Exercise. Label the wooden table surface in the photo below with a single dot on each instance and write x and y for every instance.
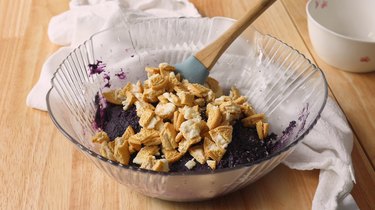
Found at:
(40, 169)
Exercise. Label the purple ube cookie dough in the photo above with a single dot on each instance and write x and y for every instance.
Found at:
(244, 148)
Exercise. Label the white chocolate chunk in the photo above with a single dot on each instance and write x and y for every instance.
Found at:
(190, 164)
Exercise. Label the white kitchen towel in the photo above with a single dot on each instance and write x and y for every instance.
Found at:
(87, 17)
(327, 147)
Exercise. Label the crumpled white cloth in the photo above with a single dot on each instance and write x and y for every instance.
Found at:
(327, 147)
(87, 17)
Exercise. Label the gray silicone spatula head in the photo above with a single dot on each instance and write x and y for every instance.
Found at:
(196, 67)
(193, 70)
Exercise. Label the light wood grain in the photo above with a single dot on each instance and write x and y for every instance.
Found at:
(40, 169)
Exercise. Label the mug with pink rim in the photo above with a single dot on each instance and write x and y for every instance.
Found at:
(342, 33)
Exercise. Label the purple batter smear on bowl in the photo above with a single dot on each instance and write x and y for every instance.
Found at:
(97, 68)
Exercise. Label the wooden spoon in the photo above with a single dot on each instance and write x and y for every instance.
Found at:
(196, 67)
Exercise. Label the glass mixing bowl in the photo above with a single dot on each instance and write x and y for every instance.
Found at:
(276, 79)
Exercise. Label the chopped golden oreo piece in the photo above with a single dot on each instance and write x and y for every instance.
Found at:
(178, 119)
(146, 117)
(172, 98)
(260, 129)
(180, 88)
(166, 67)
(149, 137)
(141, 106)
(186, 98)
(213, 84)
(191, 128)
(127, 87)
(134, 144)
(138, 87)
(158, 82)
(234, 93)
(211, 150)
(266, 127)
(222, 135)
(168, 137)
(185, 144)
(151, 71)
(204, 127)
(173, 81)
(211, 164)
(198, 153)
(252, 120)
(240, 100)
(179, 137)
(214, 117)
(111, 96)
(247, 109)
(107, 149)
(132, 149)
(190, 112)
(231, 111)
(155, 123)
(165, 111)
(128, 133)
(130, 100)
(220, 100)
(210, 96)
(122, 148)
(144, 153)
(148, 162)
(161, 165)
(197, 89)
(188, 142)
(146, 137)
(200, 102)
(151, 163)
(100, 137)
(151, 95)
(172, 155)
(162, 99)
(121, 152)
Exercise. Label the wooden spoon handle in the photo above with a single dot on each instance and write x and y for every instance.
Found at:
(212, 52)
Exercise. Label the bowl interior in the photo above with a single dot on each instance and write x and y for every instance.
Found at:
(354, 19)
(276, 79)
